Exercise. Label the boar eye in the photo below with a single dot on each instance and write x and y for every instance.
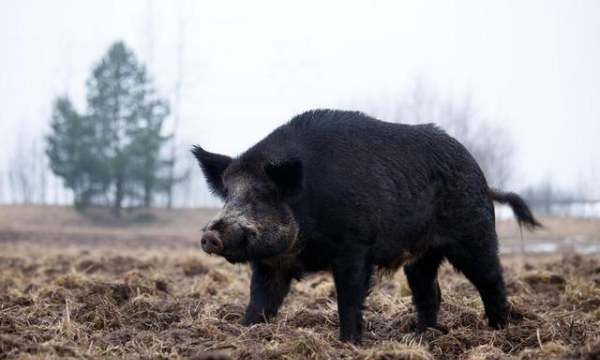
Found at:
(218, 225)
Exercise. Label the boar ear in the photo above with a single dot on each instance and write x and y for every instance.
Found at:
(287, 175)
(213, 166)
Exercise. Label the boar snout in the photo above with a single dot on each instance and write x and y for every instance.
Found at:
(211, 242)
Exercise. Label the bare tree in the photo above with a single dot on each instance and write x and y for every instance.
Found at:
(12, 186)
(21, 173)
(490, 144)
(587, 184)
(27, 173)
(175, 173)
(43, 170)
(2, 187)
(148, 32)
(177, 99)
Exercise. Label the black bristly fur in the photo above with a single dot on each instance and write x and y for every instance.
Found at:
(287, 176)
(367, 195)
(519, 207)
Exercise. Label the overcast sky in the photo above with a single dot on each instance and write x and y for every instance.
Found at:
(533, 66)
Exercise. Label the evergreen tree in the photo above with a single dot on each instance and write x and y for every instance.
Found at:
(71, 150)
(116, 146)
(149, 170)
(129, 118)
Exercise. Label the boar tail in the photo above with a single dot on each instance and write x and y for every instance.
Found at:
(519, 207)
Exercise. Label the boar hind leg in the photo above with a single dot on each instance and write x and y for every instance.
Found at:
(268, 288)
(352, 275)
(479, 262)
(426, 294)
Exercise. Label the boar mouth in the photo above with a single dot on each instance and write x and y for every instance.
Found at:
(235, 258)
(238, 255)
(260, 246)
(248, 254)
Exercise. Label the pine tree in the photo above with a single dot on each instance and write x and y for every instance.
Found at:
(148, 169)
(116, 146)
(129, 117)
(71, 150)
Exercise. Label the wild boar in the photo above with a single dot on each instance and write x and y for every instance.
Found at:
(343, 192)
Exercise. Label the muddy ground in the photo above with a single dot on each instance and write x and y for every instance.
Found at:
(165, 299)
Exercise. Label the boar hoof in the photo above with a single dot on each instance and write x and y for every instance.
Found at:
(355, 339)
(252, 319)
(497, 324)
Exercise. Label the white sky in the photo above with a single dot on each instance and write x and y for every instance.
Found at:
(249, 66)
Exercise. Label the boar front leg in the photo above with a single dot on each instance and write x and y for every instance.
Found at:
(352, 274)
(268, 288)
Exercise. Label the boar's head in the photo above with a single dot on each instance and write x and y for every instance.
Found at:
(256, 221)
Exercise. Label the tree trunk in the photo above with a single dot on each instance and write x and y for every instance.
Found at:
(118, 197)
(177, 109)
(147, 195)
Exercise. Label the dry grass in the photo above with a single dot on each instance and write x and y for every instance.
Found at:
(164, 303)
(127, 298)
